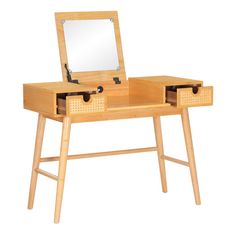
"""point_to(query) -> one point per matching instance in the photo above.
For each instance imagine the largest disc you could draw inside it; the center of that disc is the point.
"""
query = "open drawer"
(186, 97)
(73, 105)
(179, 92)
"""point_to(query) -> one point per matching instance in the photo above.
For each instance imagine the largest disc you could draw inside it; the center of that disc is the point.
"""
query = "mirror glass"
(91, 45)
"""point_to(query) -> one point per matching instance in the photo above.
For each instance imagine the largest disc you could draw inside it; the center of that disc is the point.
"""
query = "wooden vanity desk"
(96, 91)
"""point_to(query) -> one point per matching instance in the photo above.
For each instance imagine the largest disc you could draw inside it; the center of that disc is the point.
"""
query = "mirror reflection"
(91, 45)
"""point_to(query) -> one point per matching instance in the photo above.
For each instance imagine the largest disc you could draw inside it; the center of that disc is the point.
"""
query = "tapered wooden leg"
(190, 153)
(62, 166)
(36, 161)
(160, 151)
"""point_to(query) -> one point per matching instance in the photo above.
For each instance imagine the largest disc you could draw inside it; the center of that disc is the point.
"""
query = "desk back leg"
(62, 166)
(190, 153)
(160, 151)
(36, 161)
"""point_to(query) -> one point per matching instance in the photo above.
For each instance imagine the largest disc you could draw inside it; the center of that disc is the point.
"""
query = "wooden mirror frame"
(90, 76)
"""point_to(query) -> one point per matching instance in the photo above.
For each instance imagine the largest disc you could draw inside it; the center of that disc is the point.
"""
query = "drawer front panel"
(76, 104)
(186, 98)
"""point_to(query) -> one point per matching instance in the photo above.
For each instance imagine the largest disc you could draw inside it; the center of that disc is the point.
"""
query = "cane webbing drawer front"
(184, 97)
(77, 105)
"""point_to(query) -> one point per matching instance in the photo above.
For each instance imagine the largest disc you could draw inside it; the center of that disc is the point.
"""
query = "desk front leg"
(36, 161)
(62, 166)
(160, 151)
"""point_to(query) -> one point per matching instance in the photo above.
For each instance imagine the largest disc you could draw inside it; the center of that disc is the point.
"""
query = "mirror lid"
(90, 76)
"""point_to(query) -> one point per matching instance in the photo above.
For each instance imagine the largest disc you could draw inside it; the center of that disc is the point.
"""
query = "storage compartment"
(153, 89)
(188, 97)
(81, 104)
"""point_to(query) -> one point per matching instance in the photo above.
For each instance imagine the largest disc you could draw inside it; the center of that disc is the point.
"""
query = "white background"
(122, 195)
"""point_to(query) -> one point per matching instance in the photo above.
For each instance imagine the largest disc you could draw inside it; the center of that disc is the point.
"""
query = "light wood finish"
(75, 105)
(167, 158)
(41, 97)
(160, 151)
(165, 80)
(38, 100)
(133, 112)
(153, 88)
(62, 87)
(141, 91)
(184, 97)
(62, 166)
(97, 76)
(190, 153)
(137, 97)
(100, 154)
(47, 174)
(135, 106)
(110, 88)
(36, 161)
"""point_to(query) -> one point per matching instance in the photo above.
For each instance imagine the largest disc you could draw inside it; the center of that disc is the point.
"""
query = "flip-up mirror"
(90, 45)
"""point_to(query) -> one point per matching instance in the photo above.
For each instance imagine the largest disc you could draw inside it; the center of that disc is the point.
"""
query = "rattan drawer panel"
(76, 105)
(184, 97)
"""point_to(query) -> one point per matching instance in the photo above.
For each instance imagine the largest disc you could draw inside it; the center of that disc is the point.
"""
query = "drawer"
(184, 97)
(73, 105)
